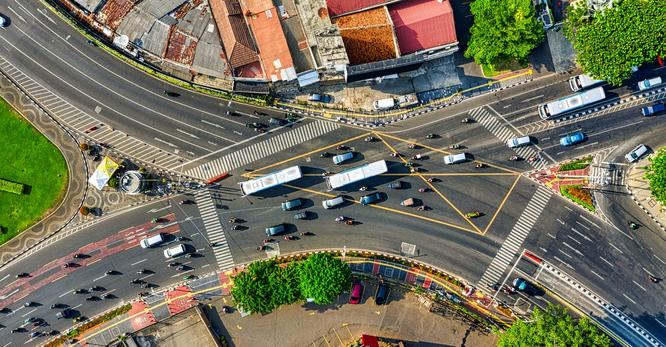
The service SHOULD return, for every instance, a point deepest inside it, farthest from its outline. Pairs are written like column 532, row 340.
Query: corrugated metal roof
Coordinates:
column 423, row 24
column 340, row 7
column 159, row 8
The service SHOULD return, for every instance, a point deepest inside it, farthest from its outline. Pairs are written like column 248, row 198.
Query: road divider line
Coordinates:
column 606, row 261
column 628, row 298
column 139, row 262
column 639, row 286
column 596, row 274
column 654, row 255
column 589, row 221
column 619, row 250
column 579, row 233
column 93, row 262
column 499, row 208
column 58, row 278
column 565, row 253
column 29, row 312
column 65, row 293
column 98, row 278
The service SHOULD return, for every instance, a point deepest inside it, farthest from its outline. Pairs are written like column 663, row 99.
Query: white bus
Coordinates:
column 571, row 102
column 356, row 174
column 271, row 180
column 579, row 82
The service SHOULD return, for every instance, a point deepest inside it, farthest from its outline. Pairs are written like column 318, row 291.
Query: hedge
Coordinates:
column 89, row 325
column 578, row 195
column 577, row 164
column 11, row 187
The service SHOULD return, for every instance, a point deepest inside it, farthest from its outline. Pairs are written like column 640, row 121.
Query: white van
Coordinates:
column 341, row 158
column 330, row 203
column 152, row 241
column 383, row 104
column 518, row 141
column 636, row 153
column 175, row 251
column 649, row 83
column 455, row 158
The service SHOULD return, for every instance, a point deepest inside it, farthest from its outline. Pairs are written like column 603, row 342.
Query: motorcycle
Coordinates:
column 421, row 208
column 233, row 220
column 290, row 238
column 514, row 158
column 362, row 189
column 324, row 155
column 423, row 190
column 340, row 219
column 394, row 154
column 532, row 159
column 411, row 146
column 369, row 139
column 307, row 233
column 480, row 166
column 261, row 248
column 416, row 157
column 341, row 148
column 433, row 180
column 454, row 146
column 235, row 227
column 349, row 222
column 268, row 241
column 466, row 120
column 430, row 136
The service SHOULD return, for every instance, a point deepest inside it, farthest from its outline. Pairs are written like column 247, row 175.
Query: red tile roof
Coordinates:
column 340, row 7
column 423, row 24
column 264, row 20
column 235, row 35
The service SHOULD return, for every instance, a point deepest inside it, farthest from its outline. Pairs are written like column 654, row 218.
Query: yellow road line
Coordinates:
column 311, row 191
column 447, row 153
column 420, row 217
column 469, row 221
column 349, row 331
column 308, row 153
column 427, row 174
column 499, row 208
column 339, row 339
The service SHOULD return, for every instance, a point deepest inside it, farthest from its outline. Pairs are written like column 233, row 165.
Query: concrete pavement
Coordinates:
column 639, row 188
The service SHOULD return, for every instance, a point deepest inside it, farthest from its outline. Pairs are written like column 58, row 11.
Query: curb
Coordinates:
column 654, row 219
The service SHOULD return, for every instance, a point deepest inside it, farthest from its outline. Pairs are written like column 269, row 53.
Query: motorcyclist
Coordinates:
column 340, row 219
column 653, row 279
column 422, row 190
column 362, row 189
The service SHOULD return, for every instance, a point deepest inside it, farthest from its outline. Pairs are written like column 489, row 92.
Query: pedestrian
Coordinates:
column 210, row 244
column 418, row 252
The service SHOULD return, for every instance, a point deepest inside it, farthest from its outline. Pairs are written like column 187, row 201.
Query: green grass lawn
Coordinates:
column 29, row 158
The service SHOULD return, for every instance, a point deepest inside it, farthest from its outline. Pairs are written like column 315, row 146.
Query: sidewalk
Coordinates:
column 639, row 189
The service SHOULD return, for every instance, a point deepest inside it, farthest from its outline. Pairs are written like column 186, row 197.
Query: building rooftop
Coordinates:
column 155, row 40
column 90, row 5
column 181, row 47
column 234, row 32
column 114, row 11
column 341, row 7
column 209, row 60
column 195, row 20
column 323, row 37
column 160, row 8
column 136, row 24
column 368, row 36
column 264, row 21
column 423, row 24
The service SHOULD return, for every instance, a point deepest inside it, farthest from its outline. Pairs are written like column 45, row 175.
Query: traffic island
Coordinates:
column 570, row 180
column 639, row 188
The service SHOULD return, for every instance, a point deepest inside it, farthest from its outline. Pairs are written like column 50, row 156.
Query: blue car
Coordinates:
column 572, row 139
column 370, row 198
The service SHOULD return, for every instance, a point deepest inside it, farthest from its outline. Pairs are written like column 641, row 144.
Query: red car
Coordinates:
column 356, row 293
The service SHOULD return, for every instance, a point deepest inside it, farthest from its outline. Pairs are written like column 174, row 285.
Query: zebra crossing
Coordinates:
column 214, row 229
column 516, row 237
column 604, row 175
column 503, row 133
column 262, row 149
column 81, row 122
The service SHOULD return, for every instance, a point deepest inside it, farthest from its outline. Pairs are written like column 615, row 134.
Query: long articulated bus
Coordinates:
column 271, row 180
column 571, row 102
column 356, row 174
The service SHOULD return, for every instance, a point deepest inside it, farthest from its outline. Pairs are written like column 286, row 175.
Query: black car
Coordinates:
column 22, row 275
column 137, row 281
column 29, row 304
column 6, row 310
column 92, row 298
column 18, row 330
column 78, row 256
column 276, row 121
column 108, row 296
column 382, row 294
column 36, row 334
column 80, row 291
column 96, row 289
column 66, row 313
column 396, row 185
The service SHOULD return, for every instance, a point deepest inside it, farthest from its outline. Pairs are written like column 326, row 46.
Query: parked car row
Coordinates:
column 381, row 294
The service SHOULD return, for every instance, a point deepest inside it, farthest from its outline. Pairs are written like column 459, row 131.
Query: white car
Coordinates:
column 649, row 83
column 455, row 158
column 518, row 141
column 3, row 21
column 636, row 153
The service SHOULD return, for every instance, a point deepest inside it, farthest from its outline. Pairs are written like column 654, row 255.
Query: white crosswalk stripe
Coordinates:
column 513, row 242
column 73, row 118
column 503, row 133
column 262, row 149
column 607, row 175
column 214, row 231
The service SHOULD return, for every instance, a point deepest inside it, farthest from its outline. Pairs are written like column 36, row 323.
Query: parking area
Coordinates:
column 405, row 317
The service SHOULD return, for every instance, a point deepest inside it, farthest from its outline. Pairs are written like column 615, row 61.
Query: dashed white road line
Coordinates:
column 606, row 261
column 628, row 298
column 596, row 274
column 589, row 221
column 139, row 262
column 619, row 250
column 583, row 225
column 581, row 235
column 654, row 255
column 29, row 312
column 65, row 293
column 572, row 248
column 98, row 278
column 640, row 286
column 565, row 253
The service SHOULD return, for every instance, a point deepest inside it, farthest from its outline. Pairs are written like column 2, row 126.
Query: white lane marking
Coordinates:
column 640, row 286
column 533, row 98
column 619, row 250
column 660, row 323
column 212, row 124
column 29, row 312
column 654, row 255
column 588, row 145
column 565, row 253
column 561, row 222
column 583, row 225
column 628, row 298
column 77, row 306
column 17, row 15
column 572, row 248
column 47, row 17
column 165, row 142
column 9, row 343
column 98, row 278
column 545, row 138
column 139, row 262
column 576, row 241
column 65, row 293
column 205, row 266
column 579, row 233
column 606, row 261
column 568, row 208
column 616, row 128
column 589, row 221
column 10, row 294
column 147, row 276
column 4, row 278
column 552, row 236
column 186, row 133
column 596, row 274
column 563, row 262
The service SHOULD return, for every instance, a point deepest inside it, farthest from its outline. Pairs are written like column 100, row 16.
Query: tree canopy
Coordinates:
column 503, row 30
column 553, row 327
column 609, row 43
column 656, row 175
column 266, row 285
column 323, row 277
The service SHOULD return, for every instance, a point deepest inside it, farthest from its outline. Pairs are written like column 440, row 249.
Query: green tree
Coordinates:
column 656, row 175
column 252, row 290
column 503, row 31
column 609, row 43
column 323, row 277
column 553, row 327
column 285, row 282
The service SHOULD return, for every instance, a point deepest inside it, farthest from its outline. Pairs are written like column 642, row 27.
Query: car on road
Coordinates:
column 356, row 293
column 341, row 158
column 35, row 334
column 522, row 285
column 276, row 121
column 30, row 320
column 66, row 313
column 275, row 230
column 291, row 204
column 175, row 251
column 636, row 153
column 654, row 109
column 396, row 185
column 649, row 83
column 381, row 294
column 152, row 241
column 515, row 142
column 455, row 158
column 572, row 139
column 302, row 215
column 370, row 198
column 324, row 98
column 3, row 21
column 80, row 291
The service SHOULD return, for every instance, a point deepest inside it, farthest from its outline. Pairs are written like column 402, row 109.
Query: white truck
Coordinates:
column 384, row 104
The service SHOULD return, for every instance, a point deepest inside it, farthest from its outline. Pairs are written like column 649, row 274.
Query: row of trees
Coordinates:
column 266, row 285
column 656, row 175
column 610, row 43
